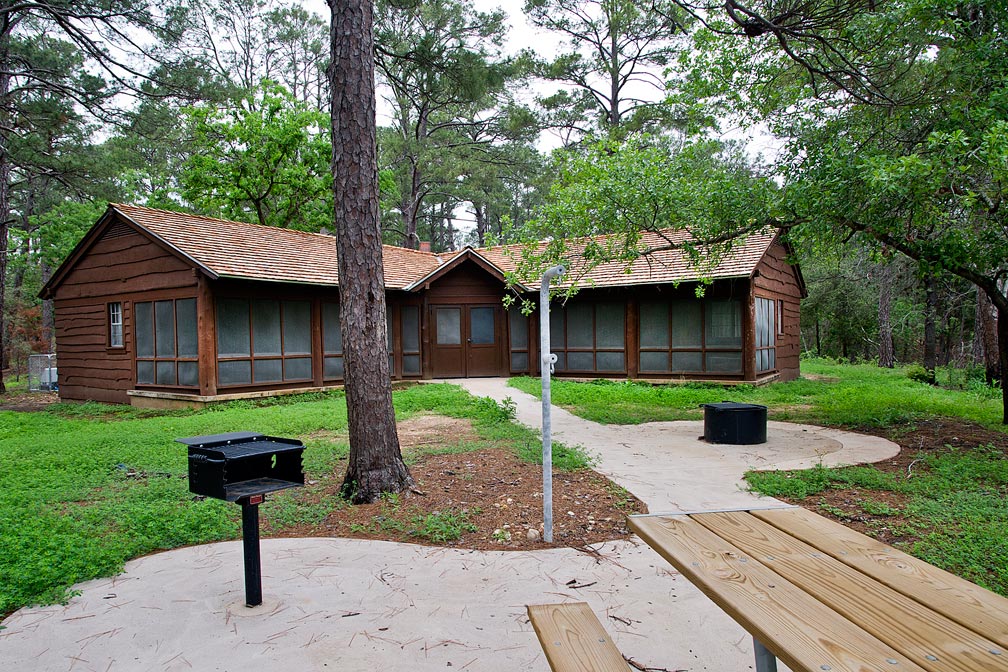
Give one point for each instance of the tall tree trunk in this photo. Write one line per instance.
(375, 463)
(930, 344)
(1002, 325)
(5, 172)
(886, 357)
(48, 312)
(987, 329)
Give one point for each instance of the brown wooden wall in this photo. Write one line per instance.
(776, 279)
(123, 266)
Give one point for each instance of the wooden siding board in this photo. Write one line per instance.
(776, 279)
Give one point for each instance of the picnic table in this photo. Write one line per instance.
(822, 597)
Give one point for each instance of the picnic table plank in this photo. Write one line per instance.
(966, 603)
(573, 639)
(798, 629)
(928, 638)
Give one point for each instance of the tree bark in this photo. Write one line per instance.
(375, 463)
(930, 343)
(5, 172)
(885, 346)
(986, 329)
(1002, 325)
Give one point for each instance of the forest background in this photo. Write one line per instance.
(889, 116)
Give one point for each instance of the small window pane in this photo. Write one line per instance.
(687, 361)
(609, 325)
(233, 328)
(481, 326)
(266, 328)
(449, 326)
(557, 326)
(188, 374)
(724, 362)
(186, 330)
(115, 325)
(144, 317)
(267, 370)
(654, 362)
(686, 327)
(609, 361)
(234, 373)
(580, 361)
(332, 368)
(724, 323)
(332, 339)
(297, 328)
(580, 327)
(164, 326)
(145, 372)
(297, 369)
(166, 373)
(410, 329)
(519, 362)
(654, 325)
(518, 326)
(411, 365)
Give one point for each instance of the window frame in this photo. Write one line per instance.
(155, 358)
(703, 349)
(283, 357)
(563, 351)
(110, 309)
(767, 307)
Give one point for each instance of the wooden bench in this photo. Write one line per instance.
(573, 639)
(824, 598)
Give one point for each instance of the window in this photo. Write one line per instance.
(766, 328)
(589, 337)
(690, 336)
(410, 317)
(332, 343)
(263, 341)
(115, 323)
(166, 343)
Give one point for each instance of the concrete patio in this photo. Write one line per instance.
(352, 604)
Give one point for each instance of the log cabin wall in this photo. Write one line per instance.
(122, 266)
(777, 280)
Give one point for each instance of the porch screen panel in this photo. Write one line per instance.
(332, 343)
(263, 341)
(297, 328)
(723, 334)
(166, 343)
(654, 337)
(610, 337)
(410, 316)
(589, 337)
(266, 330)
(690, 336)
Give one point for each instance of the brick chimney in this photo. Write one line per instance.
(425, 246)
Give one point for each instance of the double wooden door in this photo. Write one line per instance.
(467, 341)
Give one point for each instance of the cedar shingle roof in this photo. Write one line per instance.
(663, 266)
(254, 252)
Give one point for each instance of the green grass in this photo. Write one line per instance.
(956, 506)
(86, 487)
(850, 395)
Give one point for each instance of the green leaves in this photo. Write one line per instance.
(263, 159)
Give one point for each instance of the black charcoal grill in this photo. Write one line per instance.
(244, 467)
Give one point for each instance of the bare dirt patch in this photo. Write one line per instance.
(28, 402)
(488, 497)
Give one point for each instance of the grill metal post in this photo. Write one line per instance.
(250, 542)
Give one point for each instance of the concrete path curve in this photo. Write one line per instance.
(670, 468)
(349, 604)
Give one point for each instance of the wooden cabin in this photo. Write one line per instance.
(160, 308)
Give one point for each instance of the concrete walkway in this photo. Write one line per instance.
(670, 468)
(360, 605)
